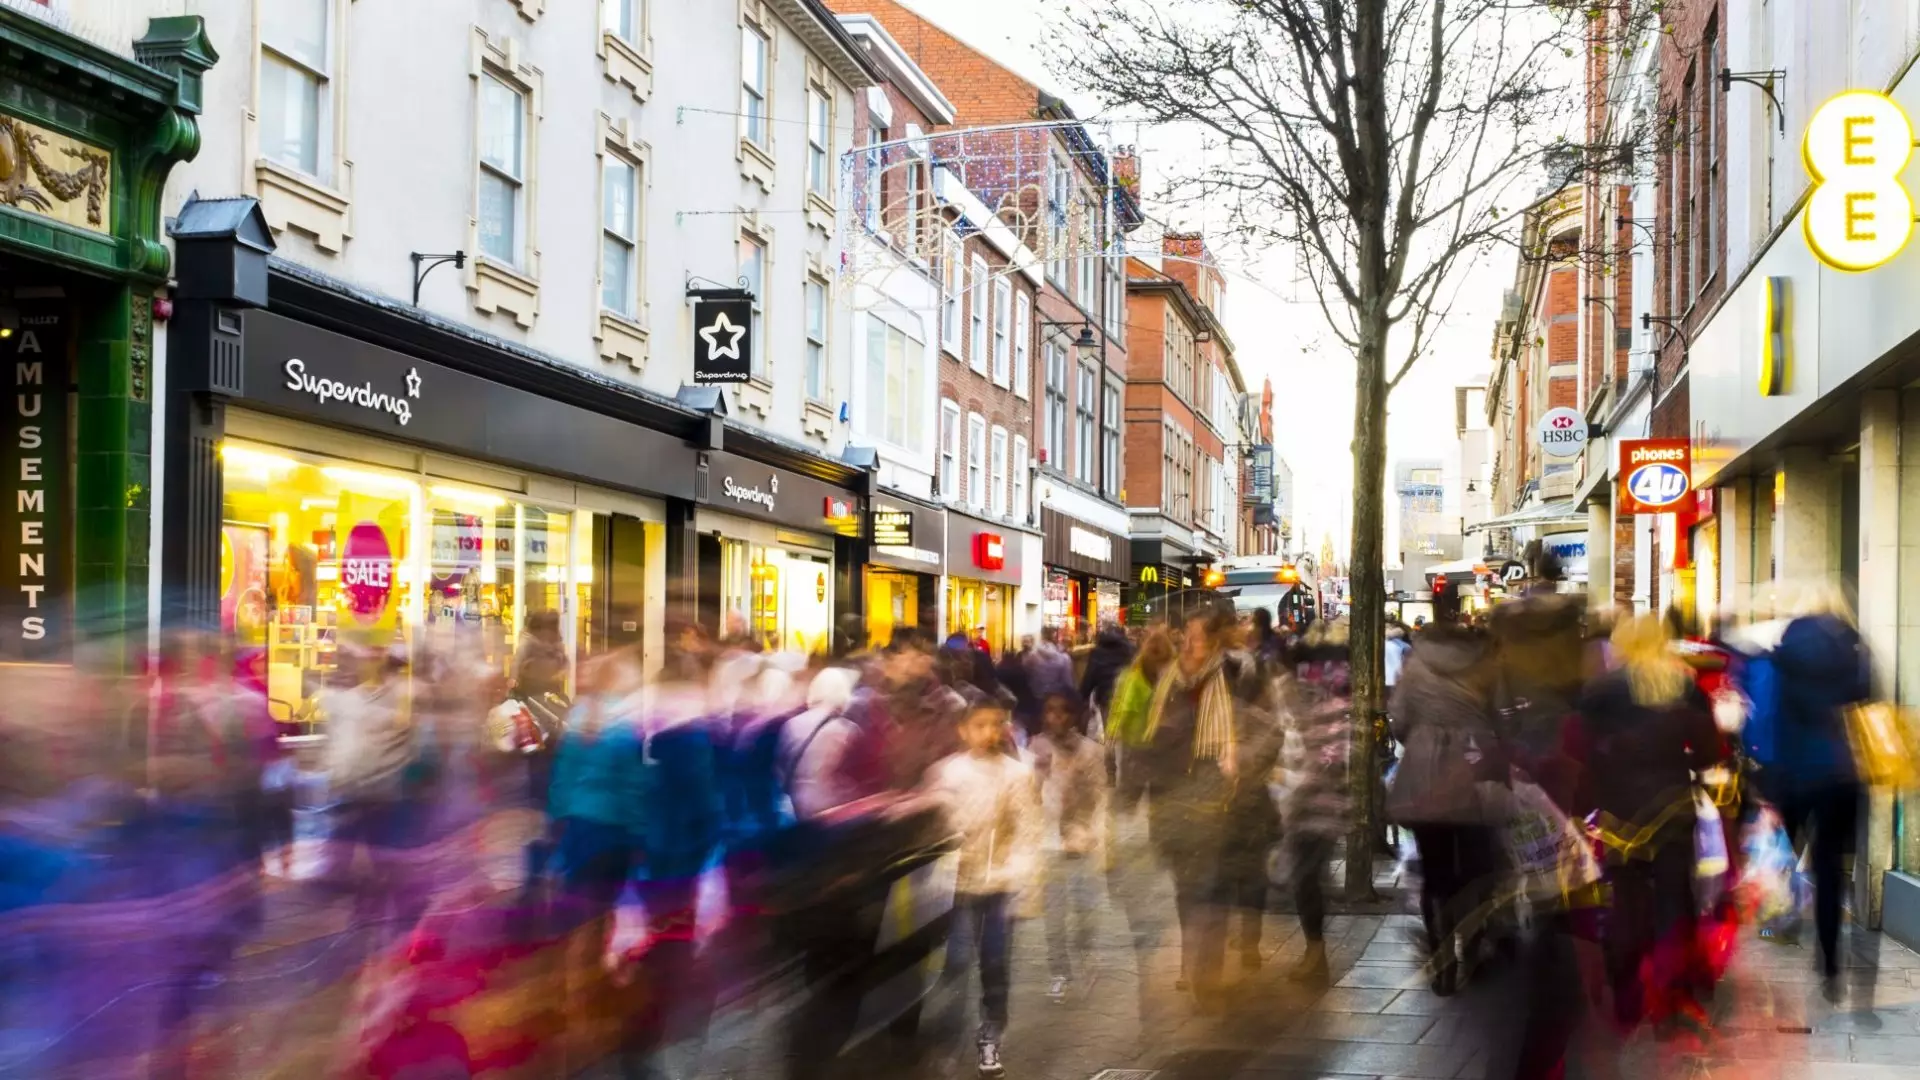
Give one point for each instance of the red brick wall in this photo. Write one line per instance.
(981, 90)
(1687, 23)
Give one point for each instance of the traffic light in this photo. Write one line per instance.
(1288, 575)
(1215, 578)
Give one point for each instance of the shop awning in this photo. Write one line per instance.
(1548, 514)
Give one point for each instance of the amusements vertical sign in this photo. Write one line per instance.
(35, 567)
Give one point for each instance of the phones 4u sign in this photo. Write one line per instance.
(1656, 475)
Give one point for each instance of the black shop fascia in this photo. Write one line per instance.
(256, 341)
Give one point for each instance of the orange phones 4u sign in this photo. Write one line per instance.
(1656, 475)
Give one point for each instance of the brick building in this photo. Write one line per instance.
(1037, 169)
(1183, 404)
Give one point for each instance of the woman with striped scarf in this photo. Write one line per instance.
(1212, 748)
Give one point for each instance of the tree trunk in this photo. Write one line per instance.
(1368, 587)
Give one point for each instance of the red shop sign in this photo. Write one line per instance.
(989, 551)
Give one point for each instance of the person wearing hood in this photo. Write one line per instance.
(1442, 714)
(1541, 670)
(1814, 780)
(818, 748)
(1111, 654)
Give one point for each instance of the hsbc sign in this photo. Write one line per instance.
(1563, 433)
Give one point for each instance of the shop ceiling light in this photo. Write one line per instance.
(247, 457)
(369, 479)
(464, 495)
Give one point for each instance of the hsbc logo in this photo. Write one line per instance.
(1563, 433)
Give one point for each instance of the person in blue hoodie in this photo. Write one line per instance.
(1814, 782)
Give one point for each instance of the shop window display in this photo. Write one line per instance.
(779, 598)
(317, 555)
(972, 605)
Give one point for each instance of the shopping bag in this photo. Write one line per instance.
(1549, 851)
(1885, 746)
(1770, 890)
(1710, 852)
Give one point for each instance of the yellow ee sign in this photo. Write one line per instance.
(1856, 146)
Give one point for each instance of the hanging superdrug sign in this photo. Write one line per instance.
(722, 335)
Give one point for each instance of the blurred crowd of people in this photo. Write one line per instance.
(1588, 797)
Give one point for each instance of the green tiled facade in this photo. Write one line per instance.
(143, 113)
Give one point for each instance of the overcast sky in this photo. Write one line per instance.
(1276, 329)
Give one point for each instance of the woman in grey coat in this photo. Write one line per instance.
(1442, 713)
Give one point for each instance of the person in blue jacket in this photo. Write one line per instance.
(1813, 781)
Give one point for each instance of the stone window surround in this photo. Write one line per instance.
(817, 417)
(628, 63)
(289, 198)
(821, 213)
(756, 394)
(617, 336)
(756, 159)
(493, 286)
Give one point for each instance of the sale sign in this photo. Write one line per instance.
(1656, 476)
(366, 573)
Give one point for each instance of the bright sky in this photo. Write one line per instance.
(1277, 330)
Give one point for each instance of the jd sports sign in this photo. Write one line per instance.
(722, 337)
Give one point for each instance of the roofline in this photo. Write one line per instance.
(855, 68)
(907, 75)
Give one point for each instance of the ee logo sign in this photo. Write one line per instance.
(1855, 148)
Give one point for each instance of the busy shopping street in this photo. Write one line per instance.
(932, 539)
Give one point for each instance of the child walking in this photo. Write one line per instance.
(993, 806)
(1072, 773)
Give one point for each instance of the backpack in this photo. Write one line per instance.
(1759, 681)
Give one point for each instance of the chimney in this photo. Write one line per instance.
(1126, 169)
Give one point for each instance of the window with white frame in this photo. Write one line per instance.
(1023, 346)
(997, 473)
(1055, 435)
(1169, 467)
(1117, 288)
(816, 311)
(503, 147)
(624, 19)
(976, 461)
(949, 451)
(875, 163)
(1059, 196)
(1002, 331)
(296, 85)
(953, 276)
(819, 143)
(753, 270)
(910, 209)
(1084, 460)
(1110, 439)
(756, 58)
(982, 295)
(896, 385)
(619, 235)
(1021, 509)
(1088, 284)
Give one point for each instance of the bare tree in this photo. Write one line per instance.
(1387, 142)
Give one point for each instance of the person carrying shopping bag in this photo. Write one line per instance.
(1644, 730)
